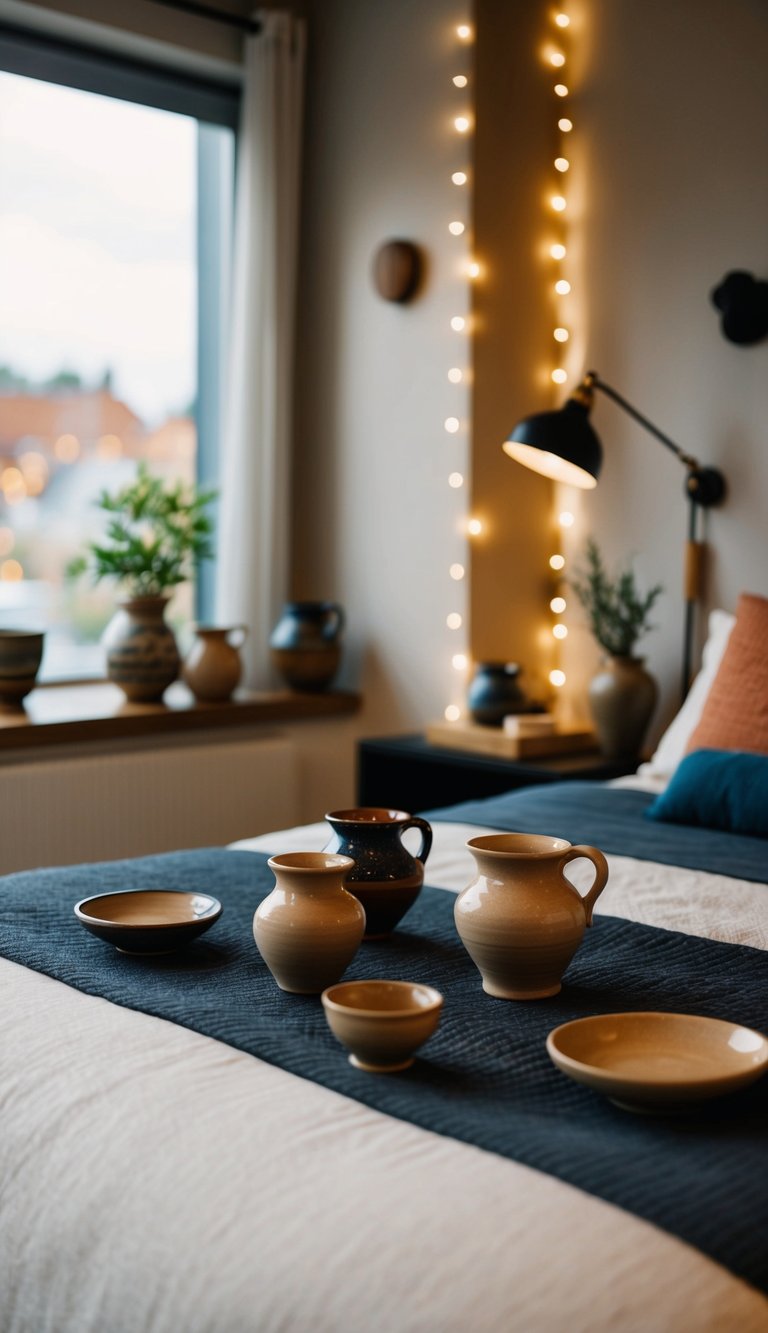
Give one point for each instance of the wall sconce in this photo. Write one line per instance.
(564, 446)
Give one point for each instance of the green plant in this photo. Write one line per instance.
(155, 536)
(618, 614)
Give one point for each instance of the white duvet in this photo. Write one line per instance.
(156, 1181)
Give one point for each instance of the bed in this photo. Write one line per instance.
(155, 1178)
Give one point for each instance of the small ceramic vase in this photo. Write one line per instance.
(212, 668)
(520, 919)
(309, 928)
(142, 657)
(305, 644)
(494, 692)
(622, 697)
(386, 878)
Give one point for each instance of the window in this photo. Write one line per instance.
(115, 214)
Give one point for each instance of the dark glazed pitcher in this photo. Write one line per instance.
(386, 878)
(305, 644)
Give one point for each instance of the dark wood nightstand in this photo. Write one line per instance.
(406, 773)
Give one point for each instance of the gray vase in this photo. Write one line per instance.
(622, 697)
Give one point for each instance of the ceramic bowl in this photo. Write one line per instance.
(658, 1061)
(382, 1023)
(148, 920)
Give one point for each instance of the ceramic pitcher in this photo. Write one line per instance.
(309, 928)
(520, 920)
(212, 668)
(305, 644)
(386, 878)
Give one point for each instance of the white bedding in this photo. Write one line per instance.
(156, 1181)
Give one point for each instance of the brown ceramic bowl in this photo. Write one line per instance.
(382, 1023)
(148, 920)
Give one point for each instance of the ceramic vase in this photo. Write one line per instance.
(386, 877)
(305, 644)
(142, 656)
(494, 692)
(212, 668)
(622, 697)
(21, 652)
(520, 919)
(309, 928)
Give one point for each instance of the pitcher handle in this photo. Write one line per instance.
(601, 874)
(242, 631)
(426, 835)
(335, 625)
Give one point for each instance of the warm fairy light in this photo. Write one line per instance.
(562, 20)
(455, 375)
(460, 80)
(456, 571)
(474, 527)
(566, 519)
(456, 480)
(13, 485)
(455, 228)
(557, 605)
(11, 571)
(557, 678)
(562, 287)
(67, 448)
(561, 90)
(457, 323)
(559, 376)
(7, 541)
(560, 631)
(459, 177)
(557, 251)
(473, 269)
(561, 335)
(453, 620)
(561, 164)
(451, 425)
(459, 661)
(461, 124)
(452, 713)
(558, 203)
(464, 32)
(556, 561)
(109, 446)
(557, 59)
(565, 125)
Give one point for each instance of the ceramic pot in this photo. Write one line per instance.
(305, 644)
(622, 697)
(385, 877)
(212, 667)
(309, 928)
(520, 919)
(21, 652)
(494, 692)
(142, 656)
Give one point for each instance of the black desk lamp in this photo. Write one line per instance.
(562, 445)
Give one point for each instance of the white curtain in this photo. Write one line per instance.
(253, 527)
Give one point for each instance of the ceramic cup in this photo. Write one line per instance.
(21, 652)
(382, 1023)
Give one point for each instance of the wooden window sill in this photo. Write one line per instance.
(76, 714)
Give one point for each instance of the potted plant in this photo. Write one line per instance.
(623, 694)
(155, 535)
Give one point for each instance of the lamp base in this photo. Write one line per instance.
(705, 486)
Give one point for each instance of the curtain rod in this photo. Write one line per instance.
(214, 15)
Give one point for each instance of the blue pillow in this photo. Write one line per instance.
(717, 789)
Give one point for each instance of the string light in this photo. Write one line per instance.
(459, 661)
(455, 228)
(459, 177)
(457, 323)
(565, 125)
(451, 425)
(561, 164)
(452, 713)
(566, 519)
(560, 631)
(557, 605)
(561, 335)
(559, 376)
(453, 620)
(456, 571)
(562, 287)
(557, 59)
(460, 80)
(474, 527)
(473, 269)
(562, 20)
(557, 251)
(558, 203)
(464, 32)
(456, 480)
(455, 375)
(557, 562)
(461, 124)
(557, 678)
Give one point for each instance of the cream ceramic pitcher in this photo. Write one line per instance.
(520, 920)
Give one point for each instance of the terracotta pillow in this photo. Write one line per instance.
(735, 715)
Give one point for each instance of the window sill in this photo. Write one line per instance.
(76, 714)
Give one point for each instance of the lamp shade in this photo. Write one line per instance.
(560, 444)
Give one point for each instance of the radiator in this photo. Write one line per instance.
(99, 808)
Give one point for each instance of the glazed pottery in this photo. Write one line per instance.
(21, 652)
(142, 657)
(305, 644)
(382, 1023)
(622, 697)
(212, 668)
(309, 928)
(148, 920)
(386, 877)
(495, 691)
(520, 919)
(658, 1061)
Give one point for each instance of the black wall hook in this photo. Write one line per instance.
(743, 302)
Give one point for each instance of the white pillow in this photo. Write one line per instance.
(674, 742)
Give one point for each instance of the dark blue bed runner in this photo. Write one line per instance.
(485, 1077)
(612, 818)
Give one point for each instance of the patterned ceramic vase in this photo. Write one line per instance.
(385, 877)
(142, 657)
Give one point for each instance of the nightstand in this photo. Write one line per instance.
(406, 773)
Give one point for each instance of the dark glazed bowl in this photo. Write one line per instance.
(146, 921)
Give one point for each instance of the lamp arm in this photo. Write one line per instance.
(592, 379)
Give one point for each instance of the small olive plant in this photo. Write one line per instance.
(156, 534)
(618, 614)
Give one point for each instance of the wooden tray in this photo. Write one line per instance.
(493, 740)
